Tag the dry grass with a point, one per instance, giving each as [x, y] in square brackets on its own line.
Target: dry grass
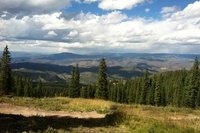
[61, 103]
[137, 118]
[171, 117]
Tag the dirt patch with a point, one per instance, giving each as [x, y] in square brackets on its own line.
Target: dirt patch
[187, 117]
[6, 108]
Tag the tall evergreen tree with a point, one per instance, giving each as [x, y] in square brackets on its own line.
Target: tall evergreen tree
[74, 85]
[77, 82]
[102, 88]
[150, 97]
[193, 85]
[6, 80]
[19, 87]
[145, 88]
[157, 94]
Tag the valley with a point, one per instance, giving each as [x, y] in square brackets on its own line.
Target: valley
[57, 67]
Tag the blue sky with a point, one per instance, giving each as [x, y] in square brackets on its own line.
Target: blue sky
[88, 26]
[154, 6]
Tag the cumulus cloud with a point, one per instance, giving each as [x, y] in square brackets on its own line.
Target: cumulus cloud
[119, 4]
[25, 7]
[170, 9]
[114, 31]
[167, 11]
[114, 4]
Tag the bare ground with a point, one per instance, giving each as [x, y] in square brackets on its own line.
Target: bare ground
[185, 117]
[6, 108]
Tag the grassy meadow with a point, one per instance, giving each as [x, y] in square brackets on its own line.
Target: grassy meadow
[121, 118]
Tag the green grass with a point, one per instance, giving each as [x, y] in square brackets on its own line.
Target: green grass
[131, 118]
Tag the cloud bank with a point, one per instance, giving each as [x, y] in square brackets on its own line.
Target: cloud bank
[27, 7]
[178, 32]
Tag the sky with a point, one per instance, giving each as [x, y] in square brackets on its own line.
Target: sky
[100, 26]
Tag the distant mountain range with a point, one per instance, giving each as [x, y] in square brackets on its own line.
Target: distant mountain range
[55, 67]
[15, 54]
[70, 56]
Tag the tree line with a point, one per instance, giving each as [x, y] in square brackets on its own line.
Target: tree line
[179, 88]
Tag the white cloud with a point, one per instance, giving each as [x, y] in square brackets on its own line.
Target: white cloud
[73, 33]
[114, 4]
[52, 33]
[119, 4]
[115, 31]
[167, 11]
[170, 9]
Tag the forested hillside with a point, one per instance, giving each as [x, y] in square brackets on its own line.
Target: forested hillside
[179, 88]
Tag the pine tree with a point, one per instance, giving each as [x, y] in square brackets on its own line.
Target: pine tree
[102, 88]
[193, 85]
[90, 91]
[30, 86]
[19, 87]
[131, 92]
[26, 88]
[76, 82]
[6, 71]
[74, 85]
[38, 90]
[83, 92]
[119, 94]
[145, 88]
[157, 94]
[150, 97]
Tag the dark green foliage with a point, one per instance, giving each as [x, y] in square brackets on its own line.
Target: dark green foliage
[198, 99]
[74, 85]
[38, 90]
[91, 91]
[102, 85]
[77, 82]
[83, 92]
[157, 93]
[151, 92]
[194, 86]
[179, 88]
[87, 91]
[27, 88]
[6, 79]
[145, 88]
